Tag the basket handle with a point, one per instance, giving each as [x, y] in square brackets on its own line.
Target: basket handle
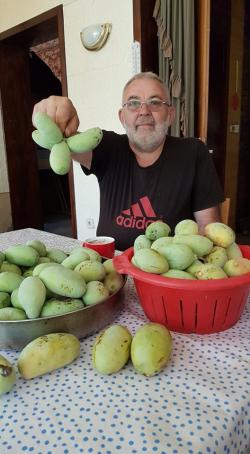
[122, 262]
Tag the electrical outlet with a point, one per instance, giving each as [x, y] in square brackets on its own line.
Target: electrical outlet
[90, 223]
[234, 128]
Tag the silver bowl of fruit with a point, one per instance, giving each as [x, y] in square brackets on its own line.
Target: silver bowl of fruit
[43, 292]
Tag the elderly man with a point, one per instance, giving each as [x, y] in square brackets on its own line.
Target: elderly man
[144, 175]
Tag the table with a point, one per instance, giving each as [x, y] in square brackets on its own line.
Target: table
[198, 404]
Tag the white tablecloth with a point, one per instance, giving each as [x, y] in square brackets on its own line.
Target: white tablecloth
[199, 404]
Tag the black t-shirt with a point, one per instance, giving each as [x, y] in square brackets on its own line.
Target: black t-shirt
[183, 180]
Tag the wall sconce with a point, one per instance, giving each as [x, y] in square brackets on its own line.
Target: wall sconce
[94, 37]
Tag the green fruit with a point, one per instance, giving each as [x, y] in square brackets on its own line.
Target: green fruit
[22, 255]
[85, 141]
[55, 306]
[93, 255]
[91, 270]
[95, 293]
[4, 299]
[217, 256]
[150, 261]
[47, 353]
[111, 349]
[39, 246]
[221, 234]
[233, 251]
[109, 265]
[113, 281]
[41, 266]
[178, 256]
[14, 299]
[47, 127]
[9, 281]
[31, 295]
[63, 282]
[12, 314]
[28, 272]
[74, 259]
[56, 255]
[41, 140]
[179, 274]
[237, 266]
[198, 243]
[194, 266]
[7, 375]
[6, 266]
[151, 348]
[43, 260]
[60, 158]
[210, 271]
[156, 230]
[157, 244]
[186, 227]
[142, 242]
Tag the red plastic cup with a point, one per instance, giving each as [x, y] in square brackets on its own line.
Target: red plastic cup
[105, 245]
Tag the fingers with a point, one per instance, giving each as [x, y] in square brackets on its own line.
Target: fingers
[62, 112]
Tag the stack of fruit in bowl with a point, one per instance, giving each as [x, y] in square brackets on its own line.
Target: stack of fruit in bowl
[36, 282]
[189, 255]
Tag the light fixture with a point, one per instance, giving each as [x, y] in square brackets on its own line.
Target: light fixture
[95, 36]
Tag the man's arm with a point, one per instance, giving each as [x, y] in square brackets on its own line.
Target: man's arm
[83, 158]
[204, 217]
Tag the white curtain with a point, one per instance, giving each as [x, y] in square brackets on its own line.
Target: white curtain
[176, 37]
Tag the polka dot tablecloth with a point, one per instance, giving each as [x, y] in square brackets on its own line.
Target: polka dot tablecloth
[198, 404]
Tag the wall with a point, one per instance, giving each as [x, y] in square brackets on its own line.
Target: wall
[95, 79]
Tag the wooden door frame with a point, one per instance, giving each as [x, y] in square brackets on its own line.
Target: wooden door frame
[17, 127]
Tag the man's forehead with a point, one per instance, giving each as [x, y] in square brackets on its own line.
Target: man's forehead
[138, 87]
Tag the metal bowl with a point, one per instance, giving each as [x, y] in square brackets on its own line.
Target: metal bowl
[83, 322]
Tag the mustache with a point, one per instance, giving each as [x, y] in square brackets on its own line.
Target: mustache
[145, 121]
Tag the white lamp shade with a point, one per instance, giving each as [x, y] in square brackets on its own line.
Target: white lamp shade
[94, 37]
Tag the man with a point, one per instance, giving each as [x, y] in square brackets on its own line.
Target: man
[144, 175]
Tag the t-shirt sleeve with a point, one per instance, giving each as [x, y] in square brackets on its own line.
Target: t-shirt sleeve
[102, 155]
[207, 190]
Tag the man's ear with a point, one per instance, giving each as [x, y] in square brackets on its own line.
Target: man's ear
[121, 116]
[171, 114]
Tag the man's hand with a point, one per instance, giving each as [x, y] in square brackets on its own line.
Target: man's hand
[62, 112]
[207, 216]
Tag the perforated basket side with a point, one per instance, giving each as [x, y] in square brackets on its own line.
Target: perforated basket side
[189, 311]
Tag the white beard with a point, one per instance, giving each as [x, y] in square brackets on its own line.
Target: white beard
[148, 141]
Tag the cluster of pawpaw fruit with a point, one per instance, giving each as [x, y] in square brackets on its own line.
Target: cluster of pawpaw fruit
[187, 254]
[36, 282]
[48, 135]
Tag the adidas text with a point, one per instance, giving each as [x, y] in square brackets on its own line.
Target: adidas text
[134, 222]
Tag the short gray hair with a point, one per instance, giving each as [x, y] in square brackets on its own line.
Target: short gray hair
[147, 75]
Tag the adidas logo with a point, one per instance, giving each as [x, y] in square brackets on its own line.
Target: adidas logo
[137, 216]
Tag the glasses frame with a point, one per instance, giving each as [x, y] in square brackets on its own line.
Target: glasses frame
[147, 102]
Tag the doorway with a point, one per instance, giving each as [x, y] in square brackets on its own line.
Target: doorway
[37, 194]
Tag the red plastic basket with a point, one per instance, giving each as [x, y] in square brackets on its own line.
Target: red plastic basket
[189, 306]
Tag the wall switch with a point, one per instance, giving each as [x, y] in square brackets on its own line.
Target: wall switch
[90, 223]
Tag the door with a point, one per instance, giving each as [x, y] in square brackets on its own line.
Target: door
[17, 106]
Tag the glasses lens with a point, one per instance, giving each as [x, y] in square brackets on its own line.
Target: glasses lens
[155, 104]
[133, 104]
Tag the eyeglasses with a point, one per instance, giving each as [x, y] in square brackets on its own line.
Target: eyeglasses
[154, 104]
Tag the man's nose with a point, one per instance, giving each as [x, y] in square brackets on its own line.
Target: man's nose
[144, 109]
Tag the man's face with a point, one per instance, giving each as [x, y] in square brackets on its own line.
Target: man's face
[146, 129]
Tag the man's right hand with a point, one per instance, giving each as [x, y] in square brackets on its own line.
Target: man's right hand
[62, 112]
